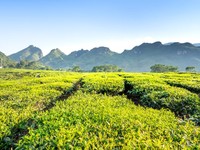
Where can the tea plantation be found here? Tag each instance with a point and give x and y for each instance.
(66, 110)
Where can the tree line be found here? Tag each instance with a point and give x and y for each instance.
(24, 64)
(169, 68)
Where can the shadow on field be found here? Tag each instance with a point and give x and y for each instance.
(65, 95)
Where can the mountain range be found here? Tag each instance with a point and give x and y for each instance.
(138, 59)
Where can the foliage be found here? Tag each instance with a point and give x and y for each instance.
(189, 84)
(106, 83)
(190, 69)
(25, 94)
(106, 68)
(91, 121)
(160, 95)
(41, 110)
(76, 69)
(31, 65)
(163, 68)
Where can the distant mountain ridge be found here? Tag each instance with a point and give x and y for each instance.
(94, 57)
(138, 59)
(55, 58)
(147, 54)
(197, 44)
(31, 53)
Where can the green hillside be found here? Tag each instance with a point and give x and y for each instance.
(55, 59)
(31, 53)
(5, 61)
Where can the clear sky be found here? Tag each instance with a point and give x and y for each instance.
(83, 24)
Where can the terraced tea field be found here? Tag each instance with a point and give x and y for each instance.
(63, 110)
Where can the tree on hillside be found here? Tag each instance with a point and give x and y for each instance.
(157, 68)
(106, 68)
(76, 69)
(163, 68)
(190, 69)
(25, 64)
(22, 64)
(171, 69)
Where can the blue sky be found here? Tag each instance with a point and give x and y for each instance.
(83, 24)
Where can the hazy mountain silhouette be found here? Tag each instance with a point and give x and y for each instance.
(197, 44)
(140, 58)
(55, 59)
(31, 53)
